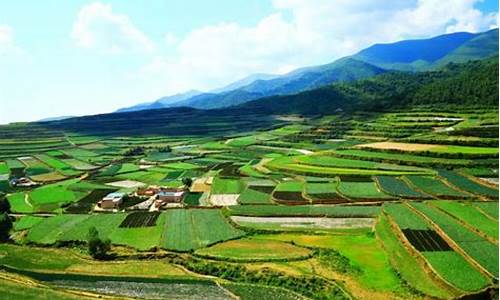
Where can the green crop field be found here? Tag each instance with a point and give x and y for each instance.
(259, 292)
(304, 210)
(254, 249)
(191, 229)
(462, 275)
(456, 270)
(252, 196)
(397, 187)
(404, 216)
(361, 190)
(4, 168)
(471, 216)
(405, 159)
(406, 264)
(343, 196)
(226, 186)
(467, 184)
(488, 208)
(480, 249)
(435, 187)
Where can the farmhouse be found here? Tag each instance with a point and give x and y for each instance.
(111, 201)
(169, 195)
(22, 182)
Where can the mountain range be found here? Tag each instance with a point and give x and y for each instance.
(473, 85)
(408, 55)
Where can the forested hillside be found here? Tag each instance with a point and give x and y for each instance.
(472, 83)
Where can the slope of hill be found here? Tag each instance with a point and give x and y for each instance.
(245, 81)
(424, 54)
(162, 102)
(474, 83)
(342, 70)
(470, 84)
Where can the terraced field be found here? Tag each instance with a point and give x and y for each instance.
(308, 210)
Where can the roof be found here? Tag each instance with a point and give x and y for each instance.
(170, 194)
(114, 196)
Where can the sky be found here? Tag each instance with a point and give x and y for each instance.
(70, 58)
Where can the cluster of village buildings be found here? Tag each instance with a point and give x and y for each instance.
(157, 197)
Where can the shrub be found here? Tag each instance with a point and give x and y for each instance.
(97, 248)
(5, 226)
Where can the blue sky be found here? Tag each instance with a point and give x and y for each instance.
(85, 57)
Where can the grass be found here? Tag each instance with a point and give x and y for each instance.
(15, 290)
(71, 261)
(26, 222)
(363, 251)
(260, 292)
(471, 216)
(254, 249)
(406, 264)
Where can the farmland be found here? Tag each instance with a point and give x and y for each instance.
(290, 211)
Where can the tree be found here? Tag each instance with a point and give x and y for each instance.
(4, 205)
(5, 226)
(187, 181)
(98, 248)
(165, 149)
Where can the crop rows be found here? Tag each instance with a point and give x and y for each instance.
(397, 187)
(433, 186)
(305, 210)
(468, 185)
(140, 219)
(448, 264)
(480, 249)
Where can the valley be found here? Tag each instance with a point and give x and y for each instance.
(338, 206)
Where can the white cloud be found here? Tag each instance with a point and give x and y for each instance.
(305, 32)
(98, 27)
(171, 39)
(7, 44)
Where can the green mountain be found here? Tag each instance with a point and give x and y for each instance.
(427, 54)
(473, 83)
(342, 70)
